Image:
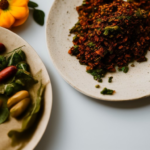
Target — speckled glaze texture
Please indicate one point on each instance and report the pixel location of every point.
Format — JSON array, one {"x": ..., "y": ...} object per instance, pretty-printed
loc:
[
  {"x": 12, "y": 41},
  {"x": 133, "y": 85}
]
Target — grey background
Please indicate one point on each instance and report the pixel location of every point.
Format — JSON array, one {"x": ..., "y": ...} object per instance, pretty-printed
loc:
[{"x": 82, "y": 123}]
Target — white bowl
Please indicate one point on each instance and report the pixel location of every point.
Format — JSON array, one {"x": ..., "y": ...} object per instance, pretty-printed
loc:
[
  {"x": 12, "y": 41},
  {"x": 133, "y": 85}
]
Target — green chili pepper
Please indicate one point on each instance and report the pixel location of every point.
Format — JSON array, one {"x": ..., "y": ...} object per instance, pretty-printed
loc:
[{"x": 3, "y": 62}]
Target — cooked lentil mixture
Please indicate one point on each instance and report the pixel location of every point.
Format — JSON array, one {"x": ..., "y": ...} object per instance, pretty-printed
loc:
[{"x": 110, "y": 34}]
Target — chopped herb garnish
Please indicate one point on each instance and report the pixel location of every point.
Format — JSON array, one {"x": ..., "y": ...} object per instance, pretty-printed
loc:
[
  {"x": 110, "y": 79},
  {"x": 97, "y": 74},
  {"x": 91, "y": 44},
  {"x": 106, "y": 91},
  {"x": 125, "y": 69},
  {"x": 75, "y": 37}
]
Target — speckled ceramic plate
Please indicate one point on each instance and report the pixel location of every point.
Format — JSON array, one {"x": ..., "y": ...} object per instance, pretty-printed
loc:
[
  {"x": 133, "y": 85},
  {"x": 12, "y": 41}
]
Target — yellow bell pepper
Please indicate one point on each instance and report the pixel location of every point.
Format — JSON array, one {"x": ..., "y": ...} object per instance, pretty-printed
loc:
[{"x": 13, "y": 12}]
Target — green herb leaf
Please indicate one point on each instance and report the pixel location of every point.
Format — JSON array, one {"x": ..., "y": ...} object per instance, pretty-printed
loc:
[
  {"x": 91, "y": 44},
  {"x": 16, "y": 57},
  {"x": 110, "y": 79},
  {"x": 3, "y": 62},
  {"x": 125, "y": 69},
  {"x": 32, "y": 4},
  {"x": 106, "y": 91},
  {"x": 4, "y": 114},
  {"x": 39, "y": 16},
  {"x": 25, "y": 77},
  {"x": 12, "y": 88},
  {"x": 97, "y": 74},
  {"x": 24, "y": 66}
]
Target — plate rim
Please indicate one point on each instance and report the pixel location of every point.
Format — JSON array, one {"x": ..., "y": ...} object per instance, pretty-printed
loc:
[
  {"x": 65, "y": 78},
  {"x": 33, "y": 146}
]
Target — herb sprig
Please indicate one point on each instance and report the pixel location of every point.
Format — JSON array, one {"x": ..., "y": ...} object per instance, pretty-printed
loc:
[{"x": 38, "y": 15}]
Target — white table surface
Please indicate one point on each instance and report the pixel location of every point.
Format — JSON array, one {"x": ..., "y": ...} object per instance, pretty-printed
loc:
[{"x": 81, "y": 123}]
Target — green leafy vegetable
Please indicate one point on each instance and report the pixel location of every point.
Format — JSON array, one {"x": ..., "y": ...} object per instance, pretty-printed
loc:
[
  {"x": 4, "y": 114},
  {"x": 22, "y": 55},
  {"x": 32, "y": 4},
  {"x": 16, "y": 57},
  {"x": 24, "y": 66},
  {"x": 30, "y": 118},
  {"x": 10, "y": 89},
  {"x": 3, "y": 62},
  {"x": 39, "y": 16},
  {"x": 25, "y": 77},
  {"x": 106, "y": 91}
]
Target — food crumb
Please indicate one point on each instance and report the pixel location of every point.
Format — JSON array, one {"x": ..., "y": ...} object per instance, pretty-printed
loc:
[
  {"x": 97, "y": 86},
  {"x": 132, "y": 65},
  {"x": 110, "y": 79}
]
